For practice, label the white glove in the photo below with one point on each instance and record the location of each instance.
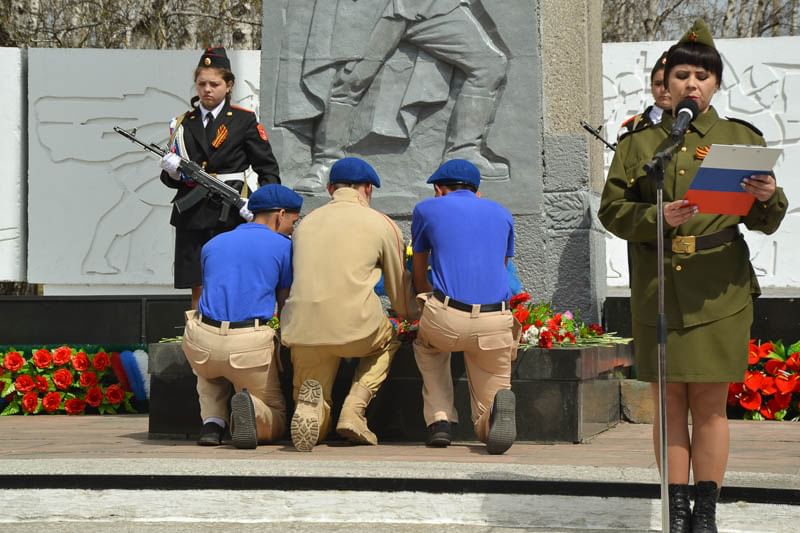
(246, 213)
(170, 163)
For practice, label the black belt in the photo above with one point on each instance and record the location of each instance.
(689, 244)
(249, 323)
(461, 306)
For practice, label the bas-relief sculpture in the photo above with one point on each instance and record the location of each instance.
(98, 213)
(405, 84)
(761, 84)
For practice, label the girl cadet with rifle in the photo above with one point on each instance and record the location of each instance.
(709, 282)
(225, 140)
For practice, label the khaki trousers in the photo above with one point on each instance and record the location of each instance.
(243, 358)
(488, 345)
(322, 363)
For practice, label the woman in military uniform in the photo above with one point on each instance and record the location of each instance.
(661, 101)
(709, 281)
(226, 140)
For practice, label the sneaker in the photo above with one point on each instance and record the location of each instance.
(211, 434)
(243, 421)
(502, 422)
(307, 417)
(440, 434)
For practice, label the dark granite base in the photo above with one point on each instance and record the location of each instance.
(563, 395)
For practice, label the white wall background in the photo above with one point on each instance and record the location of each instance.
(760, 84)
(12, 176)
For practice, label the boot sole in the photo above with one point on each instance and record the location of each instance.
(243, 418)
(503, 430)
(307, 416)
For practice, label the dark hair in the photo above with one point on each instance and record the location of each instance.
(660, 64)
(697, 54)
(456, 185)
(227, 77)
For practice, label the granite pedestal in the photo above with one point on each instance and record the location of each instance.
(563, 394)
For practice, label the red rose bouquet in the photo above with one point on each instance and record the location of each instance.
(771, 386)
(64, 380)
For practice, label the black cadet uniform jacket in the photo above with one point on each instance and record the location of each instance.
(238, 142)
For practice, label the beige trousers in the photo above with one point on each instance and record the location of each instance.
(322, 363)
(488, 345)
(242, 358)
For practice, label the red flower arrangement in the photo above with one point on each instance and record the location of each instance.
(771, 386)
(64, 380)
(542, 326)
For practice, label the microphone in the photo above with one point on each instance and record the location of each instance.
(686, 111)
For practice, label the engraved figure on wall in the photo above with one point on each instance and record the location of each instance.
(342, 49)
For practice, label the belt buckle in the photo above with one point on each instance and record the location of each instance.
(684, 245)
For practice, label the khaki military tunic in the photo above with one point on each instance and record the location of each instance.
(708, 294)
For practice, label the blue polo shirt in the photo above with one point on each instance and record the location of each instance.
(242, 270)
(468, 239)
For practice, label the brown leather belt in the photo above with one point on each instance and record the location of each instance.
(689, 244)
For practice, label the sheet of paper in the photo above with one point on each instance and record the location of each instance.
(717, 186)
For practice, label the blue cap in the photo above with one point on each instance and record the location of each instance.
(272, 197)
(457, 171)
(353, 170)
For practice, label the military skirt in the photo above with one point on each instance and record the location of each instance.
(715, 352)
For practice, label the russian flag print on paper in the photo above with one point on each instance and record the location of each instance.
(717, 186)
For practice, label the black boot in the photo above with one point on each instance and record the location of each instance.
(704, 516)
(680, 512)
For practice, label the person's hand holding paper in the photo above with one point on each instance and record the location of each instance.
(731, 177)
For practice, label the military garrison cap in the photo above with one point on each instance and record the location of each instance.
(698, 33)
(215, 57)
(353, 170)
(272, 197)
(457, 171)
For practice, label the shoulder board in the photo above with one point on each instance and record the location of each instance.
(628, 121)
(240, 108)
(641, 126)
(745, 123)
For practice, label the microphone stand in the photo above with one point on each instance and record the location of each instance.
(655, 169)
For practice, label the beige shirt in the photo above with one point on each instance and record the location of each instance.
(339, 252)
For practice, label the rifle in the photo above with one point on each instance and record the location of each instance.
(209, 185)
(596, 134)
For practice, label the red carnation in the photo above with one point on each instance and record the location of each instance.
(597, 329)
(41, 383)
(752, 380)
(734, 390)
(62, 378)
(88, 379)
(94, 396)
(787, 384)
(80, 361)
(114, 394)
(522, 314)
(51, 401)
(74, 406)
(30, 401)
(13, 361)
(545, 339)
(24, 383)
(518, 299)
(538, 323)
(42, 358)
(773, 366)
(750, 400)
(570, 337)
(766, 349)
(61, 355)
(101, 361)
